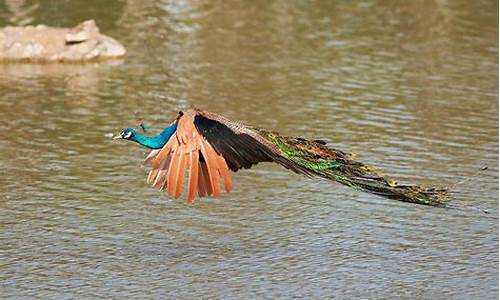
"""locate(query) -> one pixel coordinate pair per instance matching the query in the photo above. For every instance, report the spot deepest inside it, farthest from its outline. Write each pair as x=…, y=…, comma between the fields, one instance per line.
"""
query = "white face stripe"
x=127, y=135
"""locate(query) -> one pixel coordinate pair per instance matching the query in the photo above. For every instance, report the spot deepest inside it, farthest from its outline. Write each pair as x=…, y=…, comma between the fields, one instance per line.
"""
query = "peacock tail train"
x=315, y=158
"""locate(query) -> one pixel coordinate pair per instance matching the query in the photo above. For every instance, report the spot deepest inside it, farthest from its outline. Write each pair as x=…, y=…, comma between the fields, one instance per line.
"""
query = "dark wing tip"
x=239, y=148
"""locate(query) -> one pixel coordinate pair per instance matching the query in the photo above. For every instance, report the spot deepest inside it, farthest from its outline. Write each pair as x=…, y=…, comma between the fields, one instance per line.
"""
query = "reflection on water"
x=410, y=87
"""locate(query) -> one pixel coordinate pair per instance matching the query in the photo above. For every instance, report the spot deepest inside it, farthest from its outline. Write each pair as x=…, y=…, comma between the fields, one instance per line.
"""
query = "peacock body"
x=207, y=146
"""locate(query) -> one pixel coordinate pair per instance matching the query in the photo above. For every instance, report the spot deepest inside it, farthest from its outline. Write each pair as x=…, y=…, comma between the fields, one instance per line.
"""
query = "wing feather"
x=210, y=160
x=161, y=179
x=172, y=176
x=152, y=175
x=164, y=152
x=193, y=175
x=224, y=173
x=181, y=170
x=202, y=188
x=206, y=179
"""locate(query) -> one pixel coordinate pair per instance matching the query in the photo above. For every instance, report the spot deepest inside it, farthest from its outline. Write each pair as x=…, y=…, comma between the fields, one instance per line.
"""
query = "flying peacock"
x=207, y=146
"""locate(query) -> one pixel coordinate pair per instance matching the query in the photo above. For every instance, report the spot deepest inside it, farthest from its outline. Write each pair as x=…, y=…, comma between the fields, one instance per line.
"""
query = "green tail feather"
x=341, y=167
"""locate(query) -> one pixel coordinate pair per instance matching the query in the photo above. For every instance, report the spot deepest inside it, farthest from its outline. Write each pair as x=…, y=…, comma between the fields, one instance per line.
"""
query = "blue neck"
x=157, y=141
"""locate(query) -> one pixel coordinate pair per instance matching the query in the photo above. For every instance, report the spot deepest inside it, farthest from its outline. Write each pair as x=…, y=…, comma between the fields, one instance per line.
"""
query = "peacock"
x=207, y=146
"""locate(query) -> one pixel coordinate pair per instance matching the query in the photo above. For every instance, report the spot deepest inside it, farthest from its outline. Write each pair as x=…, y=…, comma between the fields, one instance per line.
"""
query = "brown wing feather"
x=181, y=170
x=193, y=175
x=157, y=178
x=152, y=175
x=211, y=162
x=172, y=176
x=202, y=188
x=161, y=179
x=224, y=173
x=206, y=179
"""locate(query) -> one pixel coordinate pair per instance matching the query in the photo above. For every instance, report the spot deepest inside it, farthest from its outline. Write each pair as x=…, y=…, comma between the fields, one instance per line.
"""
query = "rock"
x=51, y=44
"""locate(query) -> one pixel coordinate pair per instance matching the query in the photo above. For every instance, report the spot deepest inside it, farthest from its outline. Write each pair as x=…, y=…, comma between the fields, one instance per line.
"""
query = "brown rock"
x=51, y=44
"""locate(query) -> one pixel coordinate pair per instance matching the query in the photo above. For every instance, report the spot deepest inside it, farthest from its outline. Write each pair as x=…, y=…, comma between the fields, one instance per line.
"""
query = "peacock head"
x=126, y=134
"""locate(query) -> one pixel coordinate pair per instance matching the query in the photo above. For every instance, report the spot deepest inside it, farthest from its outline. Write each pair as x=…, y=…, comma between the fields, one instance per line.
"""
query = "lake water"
x=411, y=87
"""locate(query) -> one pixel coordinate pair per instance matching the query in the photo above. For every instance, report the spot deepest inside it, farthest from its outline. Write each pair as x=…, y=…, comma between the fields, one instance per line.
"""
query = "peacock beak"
x=117, y=137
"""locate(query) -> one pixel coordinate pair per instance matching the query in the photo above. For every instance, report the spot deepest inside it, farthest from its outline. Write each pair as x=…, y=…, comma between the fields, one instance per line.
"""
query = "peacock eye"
x=127, y=135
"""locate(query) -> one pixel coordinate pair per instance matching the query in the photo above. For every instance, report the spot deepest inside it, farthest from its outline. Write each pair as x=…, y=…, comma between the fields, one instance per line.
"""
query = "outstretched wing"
x=241, y=146
x=188, y=151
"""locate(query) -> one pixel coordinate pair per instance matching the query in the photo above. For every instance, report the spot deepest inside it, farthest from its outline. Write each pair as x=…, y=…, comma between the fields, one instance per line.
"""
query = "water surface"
x=410, y=87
